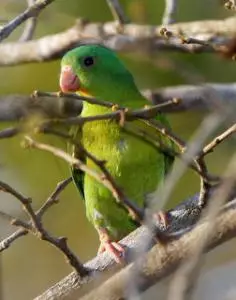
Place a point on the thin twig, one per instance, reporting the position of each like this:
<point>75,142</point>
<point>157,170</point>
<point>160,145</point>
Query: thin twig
<point>158,144</point>
<point>105,177</point>
<point>168,133</point>
<point>170,12</point>
<point>91,100</point>
<point>129,115</point>
<point>15,221</point>
<point>199,160</point>
<point>217,140</point>
<point>118,12</point>
<point>30,26</point>
<point>32,11</point>
<point>186,40</point>
<point>9,132</point>
<point>53,198</point>
<point>35,226</point>
<point>6,243</point>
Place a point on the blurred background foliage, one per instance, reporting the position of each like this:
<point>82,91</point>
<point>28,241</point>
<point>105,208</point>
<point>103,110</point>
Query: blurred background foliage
<point>30,266</point>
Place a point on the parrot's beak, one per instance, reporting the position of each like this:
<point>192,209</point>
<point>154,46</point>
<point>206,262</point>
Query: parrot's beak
<point>69,82</point>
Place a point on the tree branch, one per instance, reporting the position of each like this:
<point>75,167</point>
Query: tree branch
<point>14,107</point>
<point>134,37</point>
<point>31,11</point>
<point>118,12</point>
<point>30,26</point>
<point>159,263</point>
<point>170,11</point>
<point>35,226</point>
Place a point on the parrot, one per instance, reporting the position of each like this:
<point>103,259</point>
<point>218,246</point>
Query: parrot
<point>95,71</point>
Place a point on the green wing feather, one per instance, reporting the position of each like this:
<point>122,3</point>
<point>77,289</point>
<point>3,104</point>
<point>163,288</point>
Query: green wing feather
<point>169,159</point>
<point>77,174</point>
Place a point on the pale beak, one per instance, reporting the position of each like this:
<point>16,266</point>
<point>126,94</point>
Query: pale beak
<point>69,81</point>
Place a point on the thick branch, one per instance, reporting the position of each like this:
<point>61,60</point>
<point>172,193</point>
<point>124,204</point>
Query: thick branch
<point>162,261</point>
<point>134,38</point>
<point>181,219</point>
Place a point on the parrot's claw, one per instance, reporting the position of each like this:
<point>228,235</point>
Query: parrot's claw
<point>113,248</point>
<point>161,218</point>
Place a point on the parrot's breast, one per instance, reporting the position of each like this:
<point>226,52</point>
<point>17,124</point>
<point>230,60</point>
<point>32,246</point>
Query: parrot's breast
<point>135,165</point>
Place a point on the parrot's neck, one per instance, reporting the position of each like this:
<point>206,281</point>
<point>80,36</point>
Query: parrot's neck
<point>124,97</point>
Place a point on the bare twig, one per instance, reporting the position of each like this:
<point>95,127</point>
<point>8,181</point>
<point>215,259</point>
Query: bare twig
<point>53,198</point>
<point>105,178</point>
<point>9,132</point>
<point>219,139</point>
<point>35,226</point>
<point>167,132</point>
<point>170,12</point>
<point>6,243</point>
<point>183,39</point>
<point>14,107</point>
<point>15,221</point>
<point>29,26</point>
<point>127,115</point>
<point>118,12</point>
<point>91,100</point>
<point>31,11</point>
<point>134,37</point>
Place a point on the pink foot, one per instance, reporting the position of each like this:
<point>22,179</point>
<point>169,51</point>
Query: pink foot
<point>161,217</point>
<point>114,249</point>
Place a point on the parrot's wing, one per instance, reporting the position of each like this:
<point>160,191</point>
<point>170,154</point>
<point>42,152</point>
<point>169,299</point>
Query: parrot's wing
<point>169,158</point>
<point>77,174</point>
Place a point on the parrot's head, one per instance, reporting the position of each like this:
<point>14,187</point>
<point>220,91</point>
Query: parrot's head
<point>94,70</point>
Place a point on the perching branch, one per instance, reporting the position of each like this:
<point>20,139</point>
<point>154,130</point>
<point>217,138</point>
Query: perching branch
<point>187,212</point>
<point>14,107</point>
<point>158,263</point>
<point>162,261</point>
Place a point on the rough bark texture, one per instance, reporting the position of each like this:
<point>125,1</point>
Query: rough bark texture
<point>134,37</point>
<point>157,264</point>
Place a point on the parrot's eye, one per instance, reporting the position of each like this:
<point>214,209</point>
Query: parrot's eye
<point>88,61</point>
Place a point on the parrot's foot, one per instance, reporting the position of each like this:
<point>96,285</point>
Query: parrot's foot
<point>113,248</point>
<point>161,222</point>
<point>161,218</point>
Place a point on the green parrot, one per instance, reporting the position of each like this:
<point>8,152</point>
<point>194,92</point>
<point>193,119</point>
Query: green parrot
<point>137,167</point>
